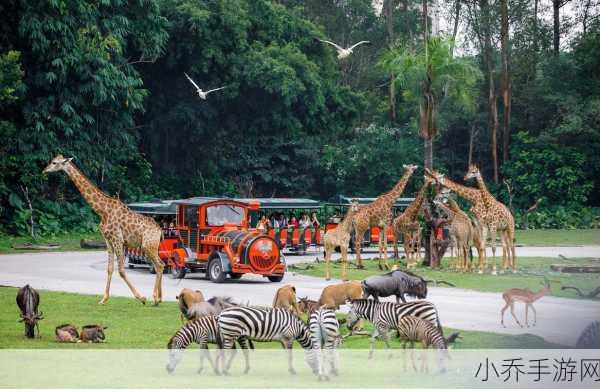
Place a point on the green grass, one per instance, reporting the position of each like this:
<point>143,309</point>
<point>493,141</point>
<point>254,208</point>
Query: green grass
<point>558,237</point>
<point>132,325</point>
<point>530,275</point>
<point>68,242</point>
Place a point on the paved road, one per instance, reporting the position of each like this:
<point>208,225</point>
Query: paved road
<point>559,320</point>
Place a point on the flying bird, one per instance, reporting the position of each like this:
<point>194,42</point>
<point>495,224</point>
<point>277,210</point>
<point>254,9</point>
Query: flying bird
<point>202,93</point>
<point>343,53</point>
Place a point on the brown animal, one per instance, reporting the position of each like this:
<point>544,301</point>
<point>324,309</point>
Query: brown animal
<point>211,307</point>
<point>339,237</point>
<point>407,226</point>
<point>66,333</point>
<point>92,333</point>
<point>335,295</point>
<point>305,305</point>
<point>186,298</point>
<point>286,298</point>
<point>28,300</point>
<point>526,296</point>
<point>120,227</point>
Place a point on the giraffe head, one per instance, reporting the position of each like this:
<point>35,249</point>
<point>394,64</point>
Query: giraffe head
<point>473,172</point>
<point>435,175</point>
<point>57,164</point>
<point>409,168</point>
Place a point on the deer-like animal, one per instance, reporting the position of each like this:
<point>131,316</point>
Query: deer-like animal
<point>526,296</point>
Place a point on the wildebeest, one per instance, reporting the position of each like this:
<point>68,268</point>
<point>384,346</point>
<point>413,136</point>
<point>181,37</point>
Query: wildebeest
<point>335,295</point>
<point>28,300</point>
<point>92,333</point>
<point>213,306</point>
<point>306,305</point>
<point>396,283</point>
<point>66,333</point>
<point>186,298</point>
<point>286,298</point>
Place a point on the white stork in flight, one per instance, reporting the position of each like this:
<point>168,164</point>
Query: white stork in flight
<point>202,93</point>
<point>344,52</point>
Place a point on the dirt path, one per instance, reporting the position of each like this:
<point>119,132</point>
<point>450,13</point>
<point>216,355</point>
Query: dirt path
<point>559,320</point>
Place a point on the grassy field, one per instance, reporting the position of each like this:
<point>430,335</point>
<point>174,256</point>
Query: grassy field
<point>132,325</point>
<point>68,242</point>
<point>558,237</point>
<point>532,270</point>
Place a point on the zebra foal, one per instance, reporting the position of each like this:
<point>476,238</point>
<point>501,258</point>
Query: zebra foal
<point>203,331</point>
<point>412,329</point>
<point>385,316</point>
<point>265,325</point>
<point>325,332</point>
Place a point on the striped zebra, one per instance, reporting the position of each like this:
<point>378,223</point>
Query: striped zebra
<point>412,329</point>
<point>325,332</point>
<point>203,330</point>
<point>386,315</point>
<point>265,325</point>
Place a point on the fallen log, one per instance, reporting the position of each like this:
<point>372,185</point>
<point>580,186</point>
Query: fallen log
<point>32,246</point>
<point>575,268</point>
<point>92,244</point>
<point>591,294</point>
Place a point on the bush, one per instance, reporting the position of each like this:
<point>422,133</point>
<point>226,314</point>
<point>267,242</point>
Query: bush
<point>561,218</point>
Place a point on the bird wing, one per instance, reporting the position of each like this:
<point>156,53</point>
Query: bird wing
<point>359,43</point>
<point>216,89</point>
<point>331,43</point>
<point>192,81</point>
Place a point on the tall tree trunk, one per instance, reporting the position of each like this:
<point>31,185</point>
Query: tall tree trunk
<point>389,14</point>
<point>425,28</point>
<point>471,143</point>
<point>556,13</point>
<point>506,81</point>
<point>489,61</point>
<point>456,19</point>
<point>428,153</point>
<point>426,128</point>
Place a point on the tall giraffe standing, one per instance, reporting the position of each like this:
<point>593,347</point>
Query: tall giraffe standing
<point>475,197</point>
<point>119,226</point>
<point>379,214</point>
<point>404,225</point>
<point>498,218</point>
<point>339,237</point>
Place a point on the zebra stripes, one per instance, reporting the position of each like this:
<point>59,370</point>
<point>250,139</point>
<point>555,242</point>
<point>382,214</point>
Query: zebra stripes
<point>265,324</point>
<point>325,332</point>
<point>413,329</point>
<point>203,330</point>
<point>386,316</point>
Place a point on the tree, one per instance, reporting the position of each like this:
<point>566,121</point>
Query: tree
<point>426,79</point>
<point>506,81</point>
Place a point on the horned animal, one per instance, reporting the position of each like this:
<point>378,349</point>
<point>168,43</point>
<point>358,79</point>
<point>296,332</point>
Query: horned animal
<point>92,333</point>
<point>28,300</point>
<point>286,298</point>
<point>396,283</point>
<point>66,333</point>
<point>186,298</point>
<point>335,295</point>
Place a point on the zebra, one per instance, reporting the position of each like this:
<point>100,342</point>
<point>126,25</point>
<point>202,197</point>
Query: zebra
<point>325,332</point>
<point>590,336</point>
<point>264,325</point>
<point>413,329</point>
<point>203,330</point>
<point>386,315</point>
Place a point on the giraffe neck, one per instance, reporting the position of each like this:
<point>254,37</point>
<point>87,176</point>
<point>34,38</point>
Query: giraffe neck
<point>488,198</point>
<point>413,209</point>
<point>390,197</point>
<point>450,212</point>
<point>92,195</point>
<point>471,194</point>
<point>346,224</point>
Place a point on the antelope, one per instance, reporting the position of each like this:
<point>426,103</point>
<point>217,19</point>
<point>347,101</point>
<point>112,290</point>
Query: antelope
<point>526,296</point>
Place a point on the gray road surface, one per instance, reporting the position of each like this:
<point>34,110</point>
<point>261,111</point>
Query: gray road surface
<point>559,320</point>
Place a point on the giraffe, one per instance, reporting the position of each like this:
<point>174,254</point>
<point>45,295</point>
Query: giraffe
<point>404,225</point>
<point>379,214</point>
<point>498,218</point>
<point>461,233</point>
<point>475,197</point>
<point>339,237</point>
<point>119,226</point>
<point>476,228</point>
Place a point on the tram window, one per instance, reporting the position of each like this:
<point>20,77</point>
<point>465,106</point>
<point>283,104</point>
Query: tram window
<point>219,215</point>
<point>191,216</point>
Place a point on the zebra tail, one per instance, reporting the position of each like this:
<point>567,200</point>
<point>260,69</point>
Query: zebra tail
<point>439,324</point>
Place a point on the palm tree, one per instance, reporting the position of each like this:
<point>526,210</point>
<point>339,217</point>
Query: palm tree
<point>429,76</point>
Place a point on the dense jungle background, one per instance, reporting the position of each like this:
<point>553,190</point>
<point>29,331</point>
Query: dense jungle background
<point>511,85</point>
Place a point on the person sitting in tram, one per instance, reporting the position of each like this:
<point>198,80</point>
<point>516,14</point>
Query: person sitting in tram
<point>315,222</point>
<point>305,221</point>
<point>293,221</point>
<point>263,223</point>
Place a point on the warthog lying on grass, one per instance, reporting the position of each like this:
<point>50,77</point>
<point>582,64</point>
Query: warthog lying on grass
<point>92,333</point>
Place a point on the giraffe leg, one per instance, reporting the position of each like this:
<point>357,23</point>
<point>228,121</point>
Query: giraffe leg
<point>358,237</point>
<point>482,253</point>
<point>493,243</point>
<point>327,261</point>
<point>344,250</point>
<point>505,251</point>
<point>383,241</point>
<point>109,271</point>
<point>121,262</point>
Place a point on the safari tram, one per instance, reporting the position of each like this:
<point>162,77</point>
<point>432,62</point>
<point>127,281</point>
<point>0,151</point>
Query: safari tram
<point>212,236</point>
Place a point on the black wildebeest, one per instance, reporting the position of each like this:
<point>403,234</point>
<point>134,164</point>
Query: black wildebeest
<point>28,300</point>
